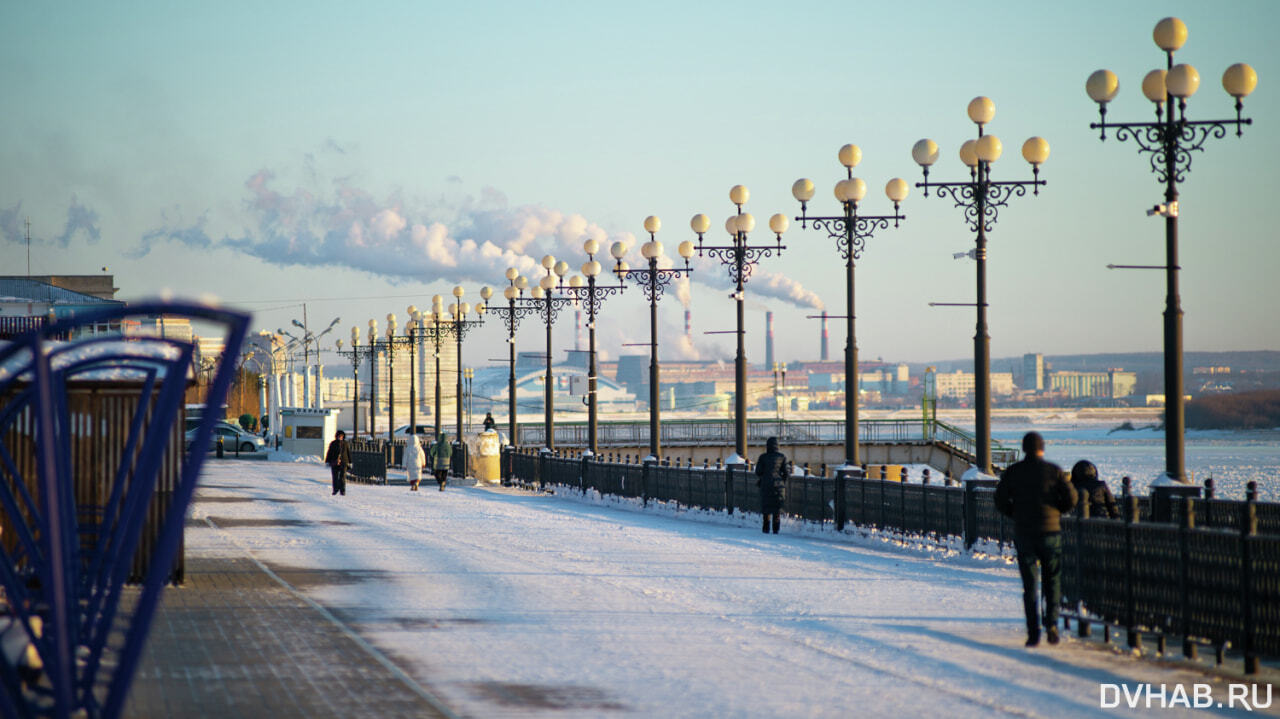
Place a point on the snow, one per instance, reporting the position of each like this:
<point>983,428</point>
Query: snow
<point>504,602</point>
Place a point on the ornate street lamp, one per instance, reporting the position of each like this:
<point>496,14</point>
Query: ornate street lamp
<point>851,231</point>
<point>373,376</point>
<point>740,257</point>
<point>517,308</point>
<point>354,354</point>
<point>593,296</point>
<point>981,198</point>
<point>460,326</point>
<point>391,343</point>
<point>549,307</point>
<point>432,327</point>
<point>1168,141</point>
<point>654,281</point>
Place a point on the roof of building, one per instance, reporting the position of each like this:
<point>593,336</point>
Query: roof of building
<point>21,289</point>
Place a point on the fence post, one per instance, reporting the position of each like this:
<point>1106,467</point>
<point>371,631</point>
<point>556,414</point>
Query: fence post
<point>1083,629</point>
<point>1189,649</point>
<point>970,515</point>
<point>728,489</point>
<point>1208,505</point>
<point>1248,528</point>
<point>582,474</point>
<point>1133,638</point>
<point>842,499</point>
<point>645,469</point>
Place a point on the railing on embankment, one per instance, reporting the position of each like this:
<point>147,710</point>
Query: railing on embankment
<point>1210,576</point>
<point>719,432</point>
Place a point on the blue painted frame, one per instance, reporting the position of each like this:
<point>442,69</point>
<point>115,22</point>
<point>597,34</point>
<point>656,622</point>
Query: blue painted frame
<point>75,592</point>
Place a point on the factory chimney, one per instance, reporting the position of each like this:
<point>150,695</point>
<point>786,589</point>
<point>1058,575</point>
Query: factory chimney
<point>577,330</point>
<point>768,340</point>
<point>824,352</point>
<point>688,324</point>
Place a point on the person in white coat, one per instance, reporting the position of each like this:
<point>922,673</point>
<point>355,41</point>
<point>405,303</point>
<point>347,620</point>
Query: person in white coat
<point>415,458</point>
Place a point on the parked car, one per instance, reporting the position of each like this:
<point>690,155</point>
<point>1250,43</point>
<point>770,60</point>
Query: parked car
<point>425,431</point>
<point>232,437</point>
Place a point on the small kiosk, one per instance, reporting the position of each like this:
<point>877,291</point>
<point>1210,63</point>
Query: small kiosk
<point>307,431</point>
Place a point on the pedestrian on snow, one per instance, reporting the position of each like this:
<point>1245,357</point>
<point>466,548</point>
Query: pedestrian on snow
<point>489,422</point>
<point>415,458</point>
<point>772,470</point>
<point>1035,493</point>
<point>441,453</point>
<point>1094,493</point>
<point>338,457</point>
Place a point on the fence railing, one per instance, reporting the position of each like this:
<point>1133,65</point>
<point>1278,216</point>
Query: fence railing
<point>1211,576</point>
<point>789,432</point>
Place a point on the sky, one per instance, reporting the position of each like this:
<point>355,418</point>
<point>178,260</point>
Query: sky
<point>356,159</point>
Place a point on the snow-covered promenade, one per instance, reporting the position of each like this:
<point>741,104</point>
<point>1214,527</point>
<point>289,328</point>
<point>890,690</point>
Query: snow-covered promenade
<point>504,603</point>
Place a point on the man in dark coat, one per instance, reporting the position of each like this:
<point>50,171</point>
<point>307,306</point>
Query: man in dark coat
<point>489,421</point>
<point>338,457</point>
<point>1094,493</point>
<point>1035,493</point>
<point>771,470</point>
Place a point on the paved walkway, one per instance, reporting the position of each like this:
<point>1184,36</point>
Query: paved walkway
<point>235,642</point>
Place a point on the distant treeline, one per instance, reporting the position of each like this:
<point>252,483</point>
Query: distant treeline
<point>1243,410</point>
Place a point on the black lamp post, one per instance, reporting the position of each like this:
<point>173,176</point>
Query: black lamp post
<point>434,329</point>
<point>391,343</point>
<point>1168,141</point>
<point>354,354</point>
<point>981,198</point>
<point>740,257</point>
<point>851,231</point>
<point>593,295</point>
<point>550,307</point>
<point>460,326</point>
<point>654,282</point>
<point>517,308</point>
<point>373,376</point>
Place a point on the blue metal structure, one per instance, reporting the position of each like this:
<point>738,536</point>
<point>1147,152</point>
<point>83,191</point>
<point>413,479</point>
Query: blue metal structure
<point>63,574</point>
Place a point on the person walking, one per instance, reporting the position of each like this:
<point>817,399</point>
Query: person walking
<point>1094,493</point>
<point>1035,493</point>
<point>338,457</point>
<point>415,458</point>
<point>772,470</point>
<point>489,422</point>
<point>441,453</point>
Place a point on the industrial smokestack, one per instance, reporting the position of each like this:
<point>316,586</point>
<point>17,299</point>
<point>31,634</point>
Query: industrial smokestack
<point>688,323</point>
<point>824,336</point>
<point>768,340</point>
<point>577,330</point>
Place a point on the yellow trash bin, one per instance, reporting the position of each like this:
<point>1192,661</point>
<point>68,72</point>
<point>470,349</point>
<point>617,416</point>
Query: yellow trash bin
<point>488,462</point>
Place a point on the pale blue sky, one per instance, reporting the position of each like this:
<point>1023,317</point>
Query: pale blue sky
<point>246,149</point>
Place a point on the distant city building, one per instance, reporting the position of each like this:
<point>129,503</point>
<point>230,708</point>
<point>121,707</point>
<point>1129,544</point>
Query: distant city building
<point>960,384</point>
<point>1033,372</point>
<point>1111,384</point>
<point>26,304</point>
<point>1211,370</point>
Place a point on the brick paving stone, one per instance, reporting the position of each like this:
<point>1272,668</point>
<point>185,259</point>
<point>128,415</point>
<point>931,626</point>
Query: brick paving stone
<point>232,642</point>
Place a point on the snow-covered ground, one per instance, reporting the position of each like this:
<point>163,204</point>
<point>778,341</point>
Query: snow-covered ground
<point>503,603</point>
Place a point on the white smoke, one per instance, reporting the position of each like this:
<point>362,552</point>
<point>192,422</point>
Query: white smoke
<point>468,239</point>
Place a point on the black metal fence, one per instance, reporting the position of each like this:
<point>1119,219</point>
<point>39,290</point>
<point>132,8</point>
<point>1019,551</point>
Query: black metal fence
<point>369,461</point>
<point>1211,576</point>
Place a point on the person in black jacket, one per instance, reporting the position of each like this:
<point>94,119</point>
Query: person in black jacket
<point>1093,491</point>
<point>771,470</point>
<point>1035,493</point>
<point>338,457</point>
